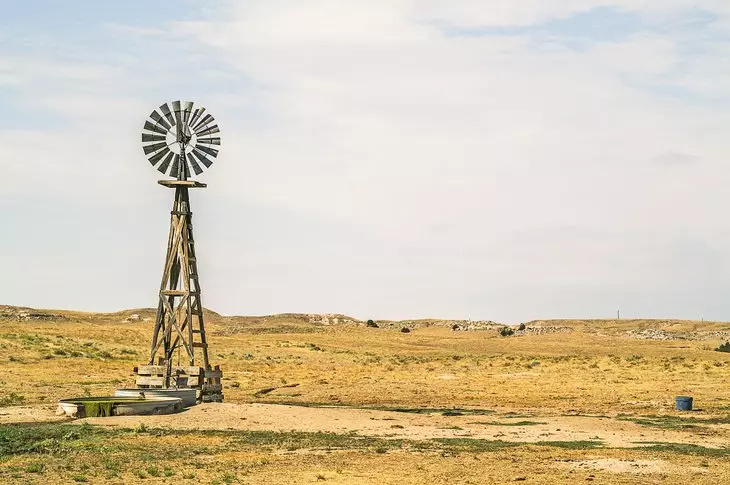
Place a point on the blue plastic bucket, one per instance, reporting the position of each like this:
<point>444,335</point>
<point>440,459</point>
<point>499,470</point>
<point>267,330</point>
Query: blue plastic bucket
<point>684,403</point>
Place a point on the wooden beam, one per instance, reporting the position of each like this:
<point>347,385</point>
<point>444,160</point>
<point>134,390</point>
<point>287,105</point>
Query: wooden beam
<point>151,370</point>
<point>150,381</point>
<point>190,184</point>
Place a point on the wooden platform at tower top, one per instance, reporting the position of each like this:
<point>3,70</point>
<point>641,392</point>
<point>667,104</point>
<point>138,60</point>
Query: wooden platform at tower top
<point>179,350</point>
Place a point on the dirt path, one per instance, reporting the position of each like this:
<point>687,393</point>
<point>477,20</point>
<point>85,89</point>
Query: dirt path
<point>389,424</point>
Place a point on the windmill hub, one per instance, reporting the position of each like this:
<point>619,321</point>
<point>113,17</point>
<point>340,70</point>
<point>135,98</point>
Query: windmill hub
<point>178,142</point>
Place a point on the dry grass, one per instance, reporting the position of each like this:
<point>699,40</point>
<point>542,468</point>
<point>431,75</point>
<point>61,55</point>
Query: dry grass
<point>593,370</point>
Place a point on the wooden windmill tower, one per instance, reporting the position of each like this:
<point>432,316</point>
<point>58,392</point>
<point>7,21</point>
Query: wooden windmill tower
<point>179,141</point>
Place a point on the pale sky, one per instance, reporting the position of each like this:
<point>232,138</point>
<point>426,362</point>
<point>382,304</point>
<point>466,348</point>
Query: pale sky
<point>504,160</point>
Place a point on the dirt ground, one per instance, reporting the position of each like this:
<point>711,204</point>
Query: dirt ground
<point>313,403</point>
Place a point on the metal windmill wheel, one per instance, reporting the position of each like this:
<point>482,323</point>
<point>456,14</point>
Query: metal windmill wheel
<point>180,141</point>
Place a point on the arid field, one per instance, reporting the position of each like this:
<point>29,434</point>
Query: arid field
<point>326,399</point>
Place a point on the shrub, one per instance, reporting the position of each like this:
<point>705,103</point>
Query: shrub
<point>724,347</point>
<point>522,326</point>
<point>35,468</point>
<point>371,324</point>
<point>506,332</point>
<point>12,399</point>
<point>405,330</point>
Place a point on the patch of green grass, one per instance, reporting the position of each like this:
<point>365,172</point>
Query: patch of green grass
<point>35,468</point>
<point>306,440</point>
<point>516,423</point>
<point>682,449</point>
<point>229,478</point>
<point>49,438</point>
<point>674,422</point>
<point>572,445</point>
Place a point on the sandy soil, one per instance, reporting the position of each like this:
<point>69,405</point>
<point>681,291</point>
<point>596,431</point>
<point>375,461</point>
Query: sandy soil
<point>641,467</point>
<point>29,414</point>
<point>397,425</point>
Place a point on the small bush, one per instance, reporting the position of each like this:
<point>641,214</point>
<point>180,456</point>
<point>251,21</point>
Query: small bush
<point>724,347</point>
<point>371,324</point>
<point>405,330</point>
<point>59,352</point>
<point>506,332</point>
<point>12,399</point>
<point>522,326</point>
<point>35,468</point>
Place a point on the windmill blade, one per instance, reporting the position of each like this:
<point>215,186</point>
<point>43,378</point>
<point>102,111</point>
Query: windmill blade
<point>207,119</point>
<point>175,166</point>
<point>154,147</point>
<point>187,110</point>
<point>210,141</point>
<point>198,113</point>
<point>192,163</point>
<point>166,111</point>
<point>157,129</point>
<point>158,156</point>
<point>210,151</point>
<point>200,156</point>
<point>165,163</point>
<point>159,120</point>
<point>178,119</point>
<point>209,131</point>
<point>146,137</point>
<point>177,111</point>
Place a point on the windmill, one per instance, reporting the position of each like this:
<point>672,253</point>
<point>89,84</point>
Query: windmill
<point>179,140</point>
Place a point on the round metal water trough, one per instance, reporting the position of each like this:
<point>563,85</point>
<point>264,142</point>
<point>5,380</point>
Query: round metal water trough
<point>188,396</point>
<point>83,407</point>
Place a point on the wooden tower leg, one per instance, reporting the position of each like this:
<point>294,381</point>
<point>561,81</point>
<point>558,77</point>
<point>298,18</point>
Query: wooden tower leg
<point>179,327</point>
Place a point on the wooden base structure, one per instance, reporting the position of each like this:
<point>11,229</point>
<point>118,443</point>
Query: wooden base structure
<point>179,334</point>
